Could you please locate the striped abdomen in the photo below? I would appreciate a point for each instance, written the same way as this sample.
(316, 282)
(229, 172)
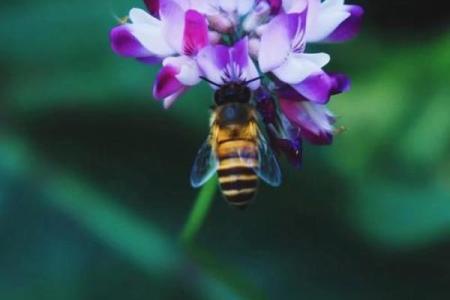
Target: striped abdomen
(238, 180)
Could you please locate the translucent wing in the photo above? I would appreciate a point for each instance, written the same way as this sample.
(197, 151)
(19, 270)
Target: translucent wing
(205, 165)
(268, 169)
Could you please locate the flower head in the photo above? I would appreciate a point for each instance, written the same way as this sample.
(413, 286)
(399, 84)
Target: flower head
(244, 41)
(221, 64)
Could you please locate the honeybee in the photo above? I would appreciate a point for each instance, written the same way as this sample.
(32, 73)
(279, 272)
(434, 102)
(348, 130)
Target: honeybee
(235, 148)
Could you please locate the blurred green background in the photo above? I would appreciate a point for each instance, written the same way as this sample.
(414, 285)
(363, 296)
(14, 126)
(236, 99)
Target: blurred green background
(94, 187)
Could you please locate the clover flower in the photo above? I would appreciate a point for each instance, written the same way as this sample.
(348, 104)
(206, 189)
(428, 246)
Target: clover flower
(262, 43)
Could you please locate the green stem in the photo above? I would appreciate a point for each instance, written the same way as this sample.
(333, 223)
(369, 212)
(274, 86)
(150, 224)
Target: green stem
(199, 212)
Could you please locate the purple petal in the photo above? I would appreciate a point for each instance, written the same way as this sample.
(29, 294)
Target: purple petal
(316, 88)
(285, 91)
(265, 104)
(151, 60)
(166, 83)
(275, 6)
(219, 56)
(239, 53)
(350, 27)
(212, 60)
(291, 148)
(296, 27)
(240, 58)
(321, 86)
(152, 7)
(340, 83)
(314, 121)
(221, 64)
(195, 33)
(125, 44)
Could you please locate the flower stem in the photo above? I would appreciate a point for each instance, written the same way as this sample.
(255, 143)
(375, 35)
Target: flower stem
(199, 212)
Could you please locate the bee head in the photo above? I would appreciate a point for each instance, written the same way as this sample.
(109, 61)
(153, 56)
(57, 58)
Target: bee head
(232, 93)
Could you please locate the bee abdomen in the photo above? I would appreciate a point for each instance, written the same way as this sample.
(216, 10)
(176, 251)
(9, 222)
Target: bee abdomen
(237, 177)
(239, 190)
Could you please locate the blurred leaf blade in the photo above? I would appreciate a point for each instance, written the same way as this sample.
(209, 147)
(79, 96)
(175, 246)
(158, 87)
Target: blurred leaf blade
(142, 242)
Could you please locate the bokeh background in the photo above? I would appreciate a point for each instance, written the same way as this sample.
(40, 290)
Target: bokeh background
(94, 187)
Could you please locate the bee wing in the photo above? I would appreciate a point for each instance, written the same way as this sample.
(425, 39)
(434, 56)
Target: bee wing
(205, 165)
(268, 169)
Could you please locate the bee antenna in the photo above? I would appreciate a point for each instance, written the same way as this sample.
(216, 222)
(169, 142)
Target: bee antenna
(210, 81)
(253, 80)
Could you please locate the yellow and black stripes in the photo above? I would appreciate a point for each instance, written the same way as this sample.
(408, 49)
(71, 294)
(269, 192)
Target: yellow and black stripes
(237, 160)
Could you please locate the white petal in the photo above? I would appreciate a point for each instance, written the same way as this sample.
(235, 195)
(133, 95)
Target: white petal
(319, 115)
(189, 73)
(228, 5)
(314, 7)
(332, 3)
(324, 21)
(199, 5)
(205, 7)
(169, 101)
(319, 59)
(184, 4)
(140, 16)
(210, 65)
(244, 6)
(300, 66)
(250, 73)
(275, 44)
(295, 6)
(173, 17)
(152, 39)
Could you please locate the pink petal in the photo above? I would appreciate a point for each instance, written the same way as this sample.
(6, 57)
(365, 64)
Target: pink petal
(166, 84)
(195, 33)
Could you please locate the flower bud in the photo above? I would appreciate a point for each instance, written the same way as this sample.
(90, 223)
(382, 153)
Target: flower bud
(253, 46)
(220, 23)
(214, 37)
(257, 17)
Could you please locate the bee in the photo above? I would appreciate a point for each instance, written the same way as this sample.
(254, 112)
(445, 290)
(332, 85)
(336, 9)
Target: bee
(235, 148)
